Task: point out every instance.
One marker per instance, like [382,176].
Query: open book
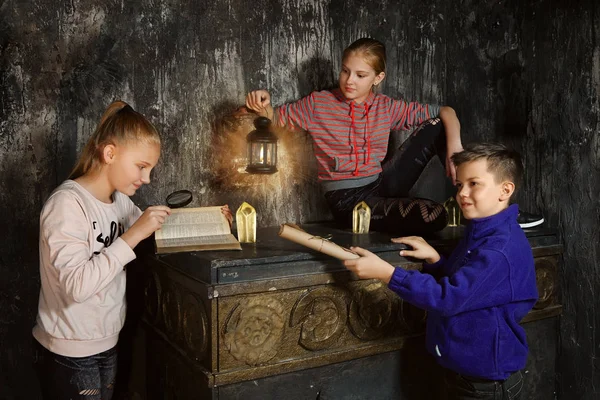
[190,229]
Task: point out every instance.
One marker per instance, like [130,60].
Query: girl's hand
[260,102]
[454,143]
[227,213]
[149,222]
[369,265]
[450,167]
[421,249]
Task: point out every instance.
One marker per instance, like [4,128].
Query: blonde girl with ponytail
[88,229]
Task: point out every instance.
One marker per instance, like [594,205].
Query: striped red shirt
[350,140]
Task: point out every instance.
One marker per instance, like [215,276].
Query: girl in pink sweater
[350,127]
[88,229]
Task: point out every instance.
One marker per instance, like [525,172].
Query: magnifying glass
[179,198]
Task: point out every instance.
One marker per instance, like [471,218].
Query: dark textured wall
[523,72]
[528,73]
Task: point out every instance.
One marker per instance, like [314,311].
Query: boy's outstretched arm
[467,289]
[370,266]
[473,286]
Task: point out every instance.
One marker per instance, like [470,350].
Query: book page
[194,222]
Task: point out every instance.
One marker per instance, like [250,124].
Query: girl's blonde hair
[119,125]
[373,51]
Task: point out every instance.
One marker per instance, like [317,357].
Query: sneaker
[528,220]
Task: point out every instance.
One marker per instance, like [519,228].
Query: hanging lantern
[262,148]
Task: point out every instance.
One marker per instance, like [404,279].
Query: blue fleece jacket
[487,286]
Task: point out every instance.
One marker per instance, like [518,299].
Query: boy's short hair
[503,162]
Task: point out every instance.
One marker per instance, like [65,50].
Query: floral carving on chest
[254,330]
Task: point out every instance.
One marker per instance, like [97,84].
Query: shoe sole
[532,224]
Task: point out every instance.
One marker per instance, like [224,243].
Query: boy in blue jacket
[487,284]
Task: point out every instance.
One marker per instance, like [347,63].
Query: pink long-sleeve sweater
[82,258]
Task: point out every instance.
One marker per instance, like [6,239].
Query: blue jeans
[461,387]
[85,378]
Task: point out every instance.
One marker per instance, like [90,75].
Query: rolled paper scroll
[318,243]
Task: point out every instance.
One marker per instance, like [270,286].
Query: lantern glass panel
[263,154]
[262,148]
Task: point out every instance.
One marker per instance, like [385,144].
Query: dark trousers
[391,209]
[462,387]
[89,378]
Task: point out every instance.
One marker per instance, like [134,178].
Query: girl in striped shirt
[350,127]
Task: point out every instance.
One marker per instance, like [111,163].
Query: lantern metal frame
[264,142]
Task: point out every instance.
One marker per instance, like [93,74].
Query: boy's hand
[450,167]
[369,266]
[421,249]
